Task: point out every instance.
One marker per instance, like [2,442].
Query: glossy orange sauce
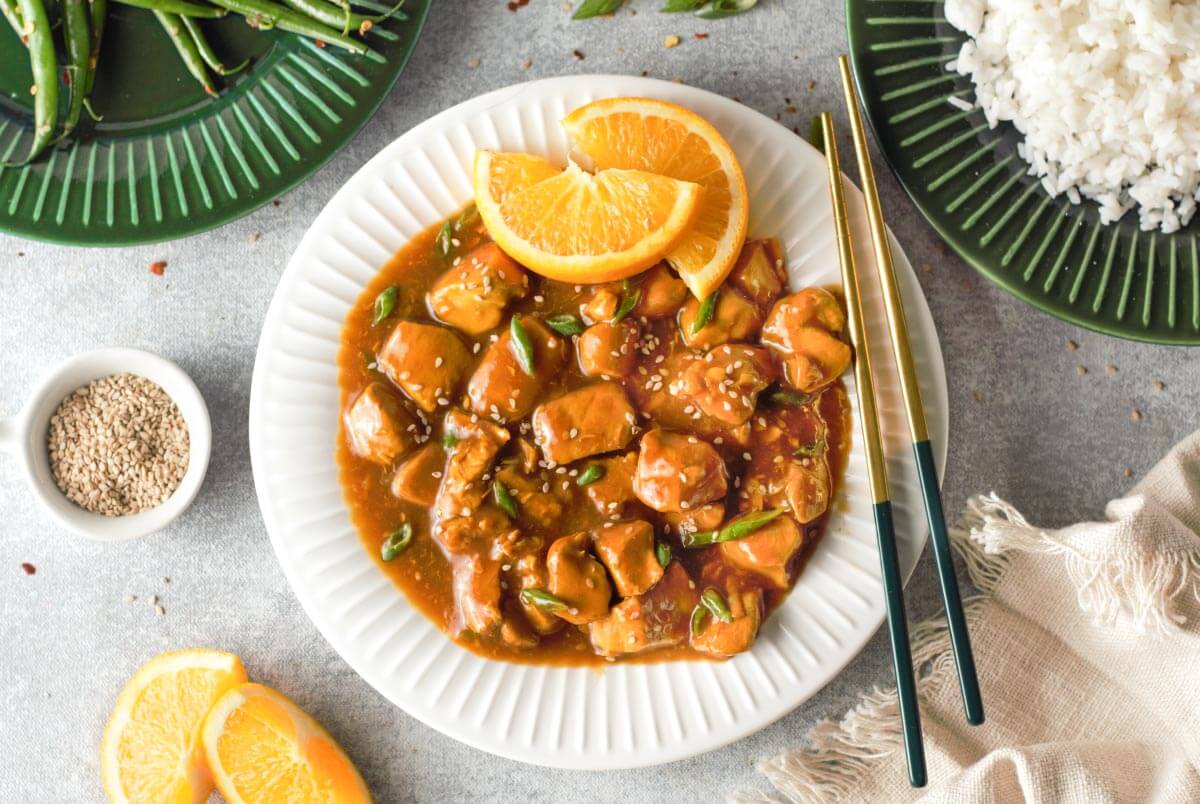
[422,572]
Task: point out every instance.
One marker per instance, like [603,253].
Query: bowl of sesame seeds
[114,443]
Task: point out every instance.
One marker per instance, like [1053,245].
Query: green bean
[711,599]
[590,475]
[739,528]
[258,12]
[565,324]
[522,346]
[396,542]
[337,16]
[186,48]
[97,13]
[38,38]
[13,14]
[504,499]
[385,303]
[78,38]
[540,598]
[184,8]
[214,63]
[662,551]
[705,313]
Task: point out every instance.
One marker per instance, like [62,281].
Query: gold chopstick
[885,535]
[960,639]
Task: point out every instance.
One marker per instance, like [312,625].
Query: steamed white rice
[1105,93]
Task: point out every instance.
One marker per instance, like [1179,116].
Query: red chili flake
[66,77]
[158,267]
[579,55]
[320,43]
[515,4]
[28,568]
[701,36]
[276,202]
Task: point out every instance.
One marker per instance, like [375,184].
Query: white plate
[626,715]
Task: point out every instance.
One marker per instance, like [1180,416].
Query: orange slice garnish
[581,227]
[151,750]
[664,138]
[262,747]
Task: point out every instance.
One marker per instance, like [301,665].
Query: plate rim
[667,752]
[46,233]
[1002,280]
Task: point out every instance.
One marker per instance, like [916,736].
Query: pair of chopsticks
[960,640]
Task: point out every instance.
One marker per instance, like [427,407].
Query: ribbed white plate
[624,715]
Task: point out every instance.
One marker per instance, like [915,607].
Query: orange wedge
[261,747]
[664,138]
[151,751]
[578,227]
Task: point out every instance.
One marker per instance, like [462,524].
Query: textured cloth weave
[1087,641]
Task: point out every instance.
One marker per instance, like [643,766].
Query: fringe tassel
[1146,586]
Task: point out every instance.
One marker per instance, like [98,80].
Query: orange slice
[261,747]
[151,751]
[509,173]
[664,138]
[578,227]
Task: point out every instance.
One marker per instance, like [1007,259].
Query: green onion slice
[789,397]
[811,450]
[522,346]
[385,303]
[662,551]
[504,499]
[739,528]
[705,313]
[629,300]
[396,542]
[698,615]
[565,324]
[711,599]
[445,238]
[540,598]
[590,475]
[449,441]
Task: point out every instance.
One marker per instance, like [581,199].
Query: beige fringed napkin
[1088,646]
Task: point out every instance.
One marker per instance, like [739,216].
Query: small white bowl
[25,436]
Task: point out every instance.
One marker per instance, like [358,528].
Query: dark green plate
[166,160]
[970,184]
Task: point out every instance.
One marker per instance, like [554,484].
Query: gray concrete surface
[1023,422]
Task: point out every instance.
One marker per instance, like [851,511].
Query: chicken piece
[720,638]
[577,579]
[788,466]
[608,350]
[726,383]
[515,630]
[706,517]
[659,394]
[476,593]
[464,517]
[379,427]
[529,572]
[603,304]
[500,388]
[807,487]
[663,293]
[805,332]
[472,295]
[759,273]
[678,472]
[658,619]
[527,455]
[733,319]
[534,506]
[588,421]
[627,549]
[427,362]
[615,487]
[418,479]
[767,551]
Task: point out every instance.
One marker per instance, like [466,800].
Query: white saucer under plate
[623,715]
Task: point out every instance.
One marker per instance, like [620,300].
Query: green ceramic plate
[167,161]
[970,184]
